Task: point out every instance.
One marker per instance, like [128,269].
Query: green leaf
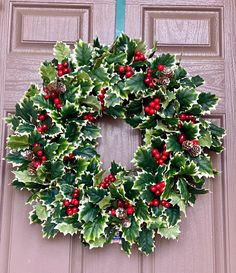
[116,58]
[197,80]
[172,144]
[54,169]
[189,169]
[90,131]
[171,232]
[96,195]
[126,246]
[205,166]
[88,212]
[100,74]
[178,161]
[141,210]
[208,101]
[66,228]
[25,128]
[146,241]
[144,180]
[87,152]
[16,157]
[81,166]
[183,190]
[205,140]
[69,111]
[116,111]
[136,83]
[111,99]
[48,195]
[49,230]
[105,202]
[115,168]
[91,101]
[173,215]
[165,59]
[41,211]
[131,234]
[83,53]
[186,97]
[135,107]
[190,130]
[72,132]
[180,73]
[23,176]
[18,142]
[93,230]
[61,51]
[216,131]
[48,72]
[50,150]
[144,159]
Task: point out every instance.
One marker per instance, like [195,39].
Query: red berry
[45,89]
[35,145]
[157,100]
[46,97]
[75,194]
[136,58]
[69,212]
[44,127]
[113,212]
[59,67]
[74,210]
[66,203]
[103,90]
[160,67]
[85,117]
[138,53]
[66,70]
[36,164]
[157,107]
[164,157]
[43,158]
[113,179]
[179,123]
[102,185]
[158,192]
[41,117]
[155,202]
[91,118]
[101,96]
[161,162]
[110,176]
[181,138]
[65,64]
[60,73]
[167,205]
[53,95]
[39,129]
[120,204]
[147,109]
[163,202]
[147,80]
[151,203]
[106,180]
[57,100]
[182,116]
[162,184]
[129,74]
[152,104]
[142,57]
[157,156]
[149,71]
[74,202]
[71,156]
[151,84]
[195,142]
[40,152]
[129,68]
[153,188]
[165,153]
[155,151]
[152,112]
[127,204]
[76,190]
[122,69]
[130,210]
[59,105]
[149,75]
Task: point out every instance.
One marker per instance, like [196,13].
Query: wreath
[55,132]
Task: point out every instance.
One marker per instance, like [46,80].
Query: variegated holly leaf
[171,232]
[146,241]
[61,51]
[66,228]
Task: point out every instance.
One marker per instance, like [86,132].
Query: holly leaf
[164,59]
[146,241]
[111,99]
[186,97]
[131,234]
[135,84]
[61,51]
[178,161]
[50,150]
[172,144]
[93,230]
[18,142]
[96,195]
[83,53]
[208,101]
[141,210]
[100,74]
[189,169]
[126,246]
[190,130]
[87,152]
[81,166]
[66,228]
[88,212]
[143,159]
[143,180]
[204,166]
[49,230]
[197,80]
[16,158]
[90,131]
[183,189]
[205,140]
[171,232]
[116,111]
[41,211]
[91,101]
[48,72]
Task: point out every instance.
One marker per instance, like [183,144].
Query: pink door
[204,32]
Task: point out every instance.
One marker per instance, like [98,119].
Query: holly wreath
[54,137]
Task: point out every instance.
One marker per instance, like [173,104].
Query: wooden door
[204,31]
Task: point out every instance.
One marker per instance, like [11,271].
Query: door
[203,32]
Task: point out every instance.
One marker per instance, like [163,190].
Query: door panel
[201,31]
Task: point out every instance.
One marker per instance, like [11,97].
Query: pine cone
[187,145]
[29,155]
[195,150]
[57,87]
[52,86]
[163,80]
[31,169]
[121,213]
[126,223]
[168,72]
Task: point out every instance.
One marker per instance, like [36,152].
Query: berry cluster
[160,157]
[107,181]
[63,69]
[182,138]
[139,56]
[42,128]
[89,117]
[186,117]
[157,190]
[153,107]
[124,204]
[53,96]
[149,79]
[72,206]
[69,158]
[101,97]
[39,157]
[126,70]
